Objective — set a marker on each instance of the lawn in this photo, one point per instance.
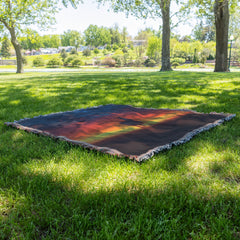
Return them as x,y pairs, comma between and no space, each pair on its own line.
53,190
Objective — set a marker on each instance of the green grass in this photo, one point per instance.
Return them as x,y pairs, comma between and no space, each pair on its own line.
53,190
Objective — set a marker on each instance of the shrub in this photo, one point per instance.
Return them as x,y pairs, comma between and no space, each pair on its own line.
38,62
203,59
63,54
150,62
118,52
74,51
175,64
68,60
115,46
138,62
96,50
125,50
109,61
76,62
178,60
97,62
73,61
126,59
54,62
105,52
119,60
86,52
109,48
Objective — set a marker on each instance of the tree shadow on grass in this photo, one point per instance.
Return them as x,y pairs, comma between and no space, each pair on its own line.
43,205
71,91
106,197
39,95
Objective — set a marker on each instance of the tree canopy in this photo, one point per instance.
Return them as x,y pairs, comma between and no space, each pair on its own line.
71,38
17,15
97,36
5,49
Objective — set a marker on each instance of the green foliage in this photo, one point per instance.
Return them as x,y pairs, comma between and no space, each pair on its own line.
126,59
175,64
86,52
118,52
205,33
5,49
17,14
97,62
63,54
109,47
105,51
124,35
138,62
234,25
51,41
38,62
195,57
31,40
73,61
97,36
115,35
77,62
96,50
119,60
178,60
125,50
74,51
71,38
192,50
68,60
54,62
115,47
154,48
150,62
145,35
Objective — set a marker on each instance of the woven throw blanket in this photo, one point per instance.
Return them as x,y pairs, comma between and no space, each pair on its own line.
122,130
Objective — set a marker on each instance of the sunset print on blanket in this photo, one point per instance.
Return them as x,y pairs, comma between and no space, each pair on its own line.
137,133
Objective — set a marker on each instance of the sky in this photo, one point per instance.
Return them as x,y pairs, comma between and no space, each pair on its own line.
88,13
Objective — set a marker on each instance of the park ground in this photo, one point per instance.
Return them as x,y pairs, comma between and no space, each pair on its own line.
53,190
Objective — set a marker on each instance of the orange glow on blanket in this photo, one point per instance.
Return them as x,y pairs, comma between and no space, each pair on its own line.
113,125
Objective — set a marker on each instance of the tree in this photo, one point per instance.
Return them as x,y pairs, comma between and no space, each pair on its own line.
72,38
50,41
97,36
115,35
221,10
205,32
165,9
31,41
144,35
154,48
124,35
15,15
144,9
5,49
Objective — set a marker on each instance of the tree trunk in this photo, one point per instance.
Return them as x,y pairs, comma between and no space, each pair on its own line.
221,12
165,8
17,48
